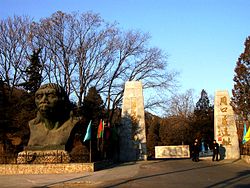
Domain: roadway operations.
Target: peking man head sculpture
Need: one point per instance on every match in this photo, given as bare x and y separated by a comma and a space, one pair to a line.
51, 129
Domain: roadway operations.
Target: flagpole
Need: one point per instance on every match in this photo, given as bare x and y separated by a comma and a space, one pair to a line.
88, 137
90, 151
103, 125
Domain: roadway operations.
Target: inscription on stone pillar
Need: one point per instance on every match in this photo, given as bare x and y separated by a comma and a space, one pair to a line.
225, 131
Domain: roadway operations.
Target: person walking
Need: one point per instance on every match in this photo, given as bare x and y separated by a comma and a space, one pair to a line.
196, 150
215, 151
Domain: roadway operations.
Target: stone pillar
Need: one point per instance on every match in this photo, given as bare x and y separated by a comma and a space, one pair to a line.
225, 132
132, 132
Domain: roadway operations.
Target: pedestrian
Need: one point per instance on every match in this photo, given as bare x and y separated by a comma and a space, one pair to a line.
195, 151
215, 151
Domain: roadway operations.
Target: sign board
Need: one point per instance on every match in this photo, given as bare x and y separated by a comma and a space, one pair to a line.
180, 151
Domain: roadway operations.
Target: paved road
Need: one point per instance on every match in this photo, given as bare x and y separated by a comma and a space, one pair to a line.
156, 174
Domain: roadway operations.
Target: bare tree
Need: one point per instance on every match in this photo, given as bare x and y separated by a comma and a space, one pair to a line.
80, 51
134, 60
94, 54
87, 52
58, 37
181, 105
35, 43
13, 50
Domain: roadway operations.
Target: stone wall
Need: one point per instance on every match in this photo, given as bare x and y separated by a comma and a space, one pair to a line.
10, 169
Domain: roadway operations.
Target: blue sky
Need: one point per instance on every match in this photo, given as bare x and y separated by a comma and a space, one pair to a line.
203, 38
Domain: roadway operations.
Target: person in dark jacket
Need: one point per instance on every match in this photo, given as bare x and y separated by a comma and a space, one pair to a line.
196, 150
215, 151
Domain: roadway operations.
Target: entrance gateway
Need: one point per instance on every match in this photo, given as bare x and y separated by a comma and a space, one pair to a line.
133, 132
225, 131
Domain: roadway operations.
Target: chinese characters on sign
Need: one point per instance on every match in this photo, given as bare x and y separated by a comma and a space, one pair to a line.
223, 128
225, 131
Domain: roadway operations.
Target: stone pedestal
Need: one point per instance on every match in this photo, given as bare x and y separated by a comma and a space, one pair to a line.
225, 132
132, 133
43, 157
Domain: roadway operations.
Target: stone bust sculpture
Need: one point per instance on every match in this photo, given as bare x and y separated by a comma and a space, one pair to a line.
52, 127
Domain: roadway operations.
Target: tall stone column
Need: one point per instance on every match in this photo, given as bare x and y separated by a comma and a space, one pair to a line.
132, 132
225, 131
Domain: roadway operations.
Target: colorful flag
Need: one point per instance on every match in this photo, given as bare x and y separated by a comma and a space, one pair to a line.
88, 132
244, 134
247, 136
100, 130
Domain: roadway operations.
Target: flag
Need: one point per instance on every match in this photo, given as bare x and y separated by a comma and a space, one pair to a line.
244, 134
247, 136
100, 130
88, 132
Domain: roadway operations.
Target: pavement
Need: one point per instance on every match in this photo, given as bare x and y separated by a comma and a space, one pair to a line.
152, 173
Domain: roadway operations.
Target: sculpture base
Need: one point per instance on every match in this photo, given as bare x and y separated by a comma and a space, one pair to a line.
43, 148
43, 157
